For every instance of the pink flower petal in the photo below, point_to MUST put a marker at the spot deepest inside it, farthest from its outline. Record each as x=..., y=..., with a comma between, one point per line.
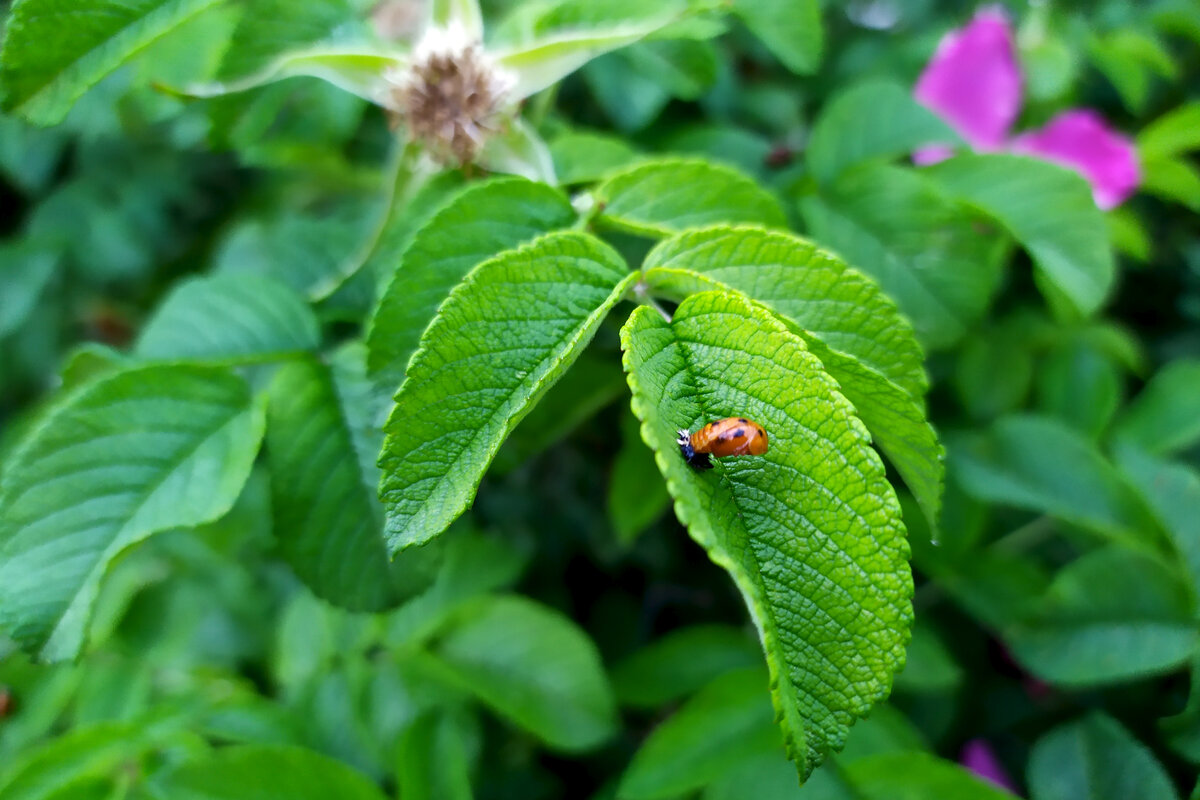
x=1081, y=139
x=973, y=81
x=977, y=756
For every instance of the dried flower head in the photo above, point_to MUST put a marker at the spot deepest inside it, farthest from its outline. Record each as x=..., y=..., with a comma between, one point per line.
x=451, y=94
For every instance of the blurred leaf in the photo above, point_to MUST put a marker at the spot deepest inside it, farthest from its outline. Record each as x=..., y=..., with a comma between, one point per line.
x=816, y=504
x=1171, y=490
x=1084, y=633
x=581, y=157
x=1182, y=731
x=917, y=776
x=231, y=318
x=84, y=754
x=480, y=222
x=791, y=30
x=432, y=761
x=504, y=336
x=518, y=149
x=1172, y=134
x=1172, y=179
x=270, y=28
x=875, y=120
x=728, y=722
x=858, y=333
x=684, y=68
x=681, y=662
x=592, y=383
x=1049, y=210
x=1129, y=234
x=725, y=144
x=929, y=666
x=629, y=98
x=126, y=456
x=1129, y=58
x=29, y=155
x=1043, y=465
x=1165, y=416
x=533, y=666
x=1080, y=386
x=1095, y=759
x=994, y=366
x=264, y=772
x=658, y=198
x=924, y=248
x=322, y=439
x=637, y=495
x=1049, y=65
x=28, y=268
x=579, y=32
x=55, y=50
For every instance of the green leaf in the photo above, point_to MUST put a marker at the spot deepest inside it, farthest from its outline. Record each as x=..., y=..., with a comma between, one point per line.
x=875, y=120
x=1165, y=416
x=1080, y=385
x=1043, y=465
x=126, y=456
x=28, y=268
x=1049, y=210
x=1086, y=634
x=592, y=383
x=1171, y=491
x=637, y=496
x=1128, y=58
x=432, y=761
x=681, y=662
x=659, y=198
x=229, y=318
x=797, y=528
x=533, y=666
x=1095, y=759
x=917, y=776
x=844, y=318
x=270, y=28
x=929, y=665
x=727, y=723
x=1173, y=179
x=923, y=247
x=480, y=222
x=264, y=772
x=502, y=338
x=356, y=68
x=84, y=753
x=582, y=34
x=322, y=439
x=1172, y=134
x=581, y=157
x=55, y=50
x=790, y=29
x=629, y=98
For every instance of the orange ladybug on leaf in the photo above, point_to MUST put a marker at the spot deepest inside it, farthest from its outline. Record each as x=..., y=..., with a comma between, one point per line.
x=732, y=436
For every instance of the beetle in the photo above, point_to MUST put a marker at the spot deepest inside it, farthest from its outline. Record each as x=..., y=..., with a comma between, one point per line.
x=732, y=436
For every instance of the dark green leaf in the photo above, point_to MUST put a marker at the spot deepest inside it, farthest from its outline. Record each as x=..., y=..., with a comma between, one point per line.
x=1165, y=416
x=1095, y=759
x=681, y=662
x=791, y=29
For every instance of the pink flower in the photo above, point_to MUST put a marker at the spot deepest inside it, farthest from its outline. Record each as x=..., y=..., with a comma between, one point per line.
x=974, y=82
x=977, y=756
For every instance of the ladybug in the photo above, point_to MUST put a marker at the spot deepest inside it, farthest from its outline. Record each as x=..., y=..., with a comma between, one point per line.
x=732, y=436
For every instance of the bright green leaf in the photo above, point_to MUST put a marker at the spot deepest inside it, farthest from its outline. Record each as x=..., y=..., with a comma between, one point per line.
x=1095, y=759
x=229, y=318
x=1165, y=416
x=533, y=666
x=480, y=222
x=924, y=248
x=123, y=457
x=264, y=772
x=873, y=120
x=55, y=50
x=659, y=198
x=1084, y=633
x=1049, y=210
x=322, y=439
x=681, y=662
x=1174, y=179
x=796, y=528
x=727, y=723
x=502, y=338
x=844, y=318
x=791, y=30
x=1174, y=133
